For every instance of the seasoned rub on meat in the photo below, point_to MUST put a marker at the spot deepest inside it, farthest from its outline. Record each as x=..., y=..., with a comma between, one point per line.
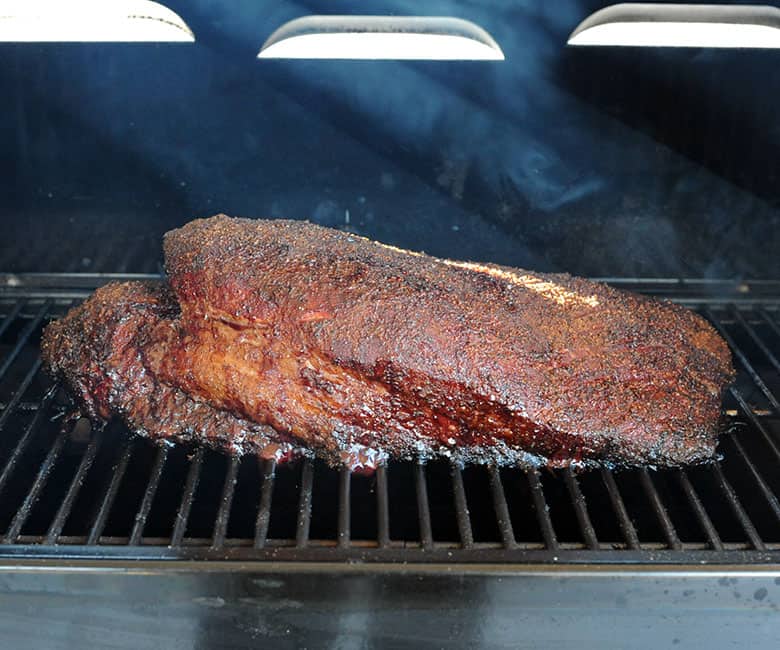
x=98, y=350
x=359, y=351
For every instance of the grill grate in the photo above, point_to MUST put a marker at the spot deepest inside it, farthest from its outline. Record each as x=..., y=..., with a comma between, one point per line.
x=73, y=492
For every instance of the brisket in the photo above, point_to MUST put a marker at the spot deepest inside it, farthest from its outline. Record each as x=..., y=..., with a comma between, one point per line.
x=282, y=334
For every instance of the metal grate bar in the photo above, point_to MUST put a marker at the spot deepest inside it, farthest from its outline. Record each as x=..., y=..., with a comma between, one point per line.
x=660, y=510
x=58, y=523
x=20, y=391
x=737, y=351
x=22, y=406
x=382, y=508
x=580, y=509
x=264, y=510
x=701, y=513
x=304, y=504
x=737, y=509
x=769, y=495
x=344, y=507
x=146, y=503
x=756, y=338
x=461, y=507
x=226, y=502
x=769, y=320
x=199, y=548
x=108, y=499
x=423, y=507
x=503, y=518
x=32, y=496
x=756, y=422
x=29, y=431
x=24, y=337
x=542, y=509
x=187, y=497
x=624, y=522
x=11, y=316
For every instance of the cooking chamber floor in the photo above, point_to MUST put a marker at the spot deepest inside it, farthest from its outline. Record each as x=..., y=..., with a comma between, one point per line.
x=75, y=492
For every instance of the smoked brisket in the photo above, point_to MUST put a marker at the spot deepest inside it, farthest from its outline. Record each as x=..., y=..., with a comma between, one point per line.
x=282, y=337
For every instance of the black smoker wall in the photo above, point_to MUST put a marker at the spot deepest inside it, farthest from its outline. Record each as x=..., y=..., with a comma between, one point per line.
x=598, y=162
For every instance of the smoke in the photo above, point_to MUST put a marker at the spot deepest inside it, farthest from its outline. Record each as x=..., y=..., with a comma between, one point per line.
x=554, y=159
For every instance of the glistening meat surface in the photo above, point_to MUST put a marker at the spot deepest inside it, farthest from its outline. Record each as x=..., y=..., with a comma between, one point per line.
x=359, y=351
x=98, y=350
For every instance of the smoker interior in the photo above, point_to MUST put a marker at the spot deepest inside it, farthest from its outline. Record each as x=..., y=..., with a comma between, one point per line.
x=71, y=492
x=620, y=162
x=652, y=168
x=646, y=167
